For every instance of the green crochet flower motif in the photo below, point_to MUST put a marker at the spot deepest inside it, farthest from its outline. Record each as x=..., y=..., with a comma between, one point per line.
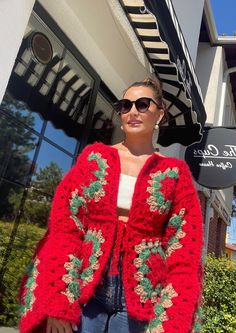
x=97, y=239
x=76, y=202
x=30, y=286
x=177, y=221
x=164, y=303
x=94, y=191
x=71, y=278
x=156, y=200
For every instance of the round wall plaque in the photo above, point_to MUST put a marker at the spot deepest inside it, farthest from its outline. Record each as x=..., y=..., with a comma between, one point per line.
x=41, y=48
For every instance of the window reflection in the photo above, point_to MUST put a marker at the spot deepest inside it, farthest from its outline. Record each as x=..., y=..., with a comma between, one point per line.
x=106, y=122
x=40, y=193
x=51, y=165
x=49, y=154
x=73, y=89
x=58, y=136
x=22, y=113
x=11, y=195
x=17, y=146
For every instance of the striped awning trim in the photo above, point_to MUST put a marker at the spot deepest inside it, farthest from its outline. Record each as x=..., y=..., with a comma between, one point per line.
x=57, y=81
x=175, y=70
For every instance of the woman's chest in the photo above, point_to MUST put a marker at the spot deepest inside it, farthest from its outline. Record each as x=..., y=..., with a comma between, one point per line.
x=154, y=189
x=132, y=165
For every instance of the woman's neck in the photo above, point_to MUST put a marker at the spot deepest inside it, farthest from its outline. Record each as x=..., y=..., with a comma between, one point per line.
x=138, y=147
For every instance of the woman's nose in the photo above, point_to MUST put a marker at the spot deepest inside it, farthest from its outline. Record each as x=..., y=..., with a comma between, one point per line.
x=133, y=109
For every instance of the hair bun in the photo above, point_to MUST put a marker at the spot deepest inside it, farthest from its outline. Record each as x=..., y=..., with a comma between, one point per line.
x=155, y=83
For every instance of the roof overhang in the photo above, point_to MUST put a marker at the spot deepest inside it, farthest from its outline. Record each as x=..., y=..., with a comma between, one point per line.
x=158, y=30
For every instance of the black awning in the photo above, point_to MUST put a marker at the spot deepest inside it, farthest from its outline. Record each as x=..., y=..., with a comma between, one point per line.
x=157, y=29
x=55, y=90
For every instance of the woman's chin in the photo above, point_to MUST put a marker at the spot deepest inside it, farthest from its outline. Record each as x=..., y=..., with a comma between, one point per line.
x=136, y=132
x=133, y=131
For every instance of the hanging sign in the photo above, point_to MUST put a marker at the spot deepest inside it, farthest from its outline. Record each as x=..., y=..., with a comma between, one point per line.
x=213, y=160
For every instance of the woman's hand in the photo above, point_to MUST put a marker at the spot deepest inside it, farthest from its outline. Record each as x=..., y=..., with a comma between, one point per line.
x=55, y=325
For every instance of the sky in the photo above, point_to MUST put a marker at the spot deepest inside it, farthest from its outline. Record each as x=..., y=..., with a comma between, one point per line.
x=224, y=12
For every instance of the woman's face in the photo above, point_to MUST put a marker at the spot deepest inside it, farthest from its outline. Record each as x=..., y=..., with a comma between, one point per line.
x=135, y=122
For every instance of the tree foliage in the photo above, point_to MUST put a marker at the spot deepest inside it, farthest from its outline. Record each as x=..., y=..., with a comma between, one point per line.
x=219, y=308
x=21, y=253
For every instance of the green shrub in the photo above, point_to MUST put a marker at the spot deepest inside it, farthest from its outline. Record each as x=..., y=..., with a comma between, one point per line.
x=21, y=253
x=219, y=307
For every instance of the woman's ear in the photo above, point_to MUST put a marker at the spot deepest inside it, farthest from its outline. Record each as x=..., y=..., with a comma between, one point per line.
x=161, y=114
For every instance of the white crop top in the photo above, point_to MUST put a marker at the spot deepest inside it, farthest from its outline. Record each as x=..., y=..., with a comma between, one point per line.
x=126, y=190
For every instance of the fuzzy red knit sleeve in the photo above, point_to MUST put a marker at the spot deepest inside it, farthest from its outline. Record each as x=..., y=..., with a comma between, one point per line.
x=182, y=242
x=50, y=288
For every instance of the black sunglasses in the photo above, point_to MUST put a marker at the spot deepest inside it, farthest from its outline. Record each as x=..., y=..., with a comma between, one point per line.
x=142, y=105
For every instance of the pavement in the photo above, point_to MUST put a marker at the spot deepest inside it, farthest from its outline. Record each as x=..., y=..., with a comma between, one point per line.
x=8, y=330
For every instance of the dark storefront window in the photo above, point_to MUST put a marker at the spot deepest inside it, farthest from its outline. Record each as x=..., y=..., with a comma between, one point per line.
x=31, y=166
x=51, y=109
x=17, y=149
x=21, y=112
x=105, y=123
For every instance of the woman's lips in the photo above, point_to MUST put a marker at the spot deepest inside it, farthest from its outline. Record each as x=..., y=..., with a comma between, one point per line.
x=134, y=123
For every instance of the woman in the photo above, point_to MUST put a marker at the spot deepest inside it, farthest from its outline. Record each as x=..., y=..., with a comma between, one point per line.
x=123, y=247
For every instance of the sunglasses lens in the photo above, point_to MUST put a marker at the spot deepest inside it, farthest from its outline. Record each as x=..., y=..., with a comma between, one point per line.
x=124, y=106
x=142, y=104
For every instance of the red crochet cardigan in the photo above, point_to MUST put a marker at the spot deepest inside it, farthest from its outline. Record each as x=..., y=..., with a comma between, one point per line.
x=161, y=244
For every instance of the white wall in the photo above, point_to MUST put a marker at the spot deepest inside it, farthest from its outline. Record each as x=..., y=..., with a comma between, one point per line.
x=189, y=14
x=14, y=16
x=204, y=63
x=209, y=68
x=227, y=196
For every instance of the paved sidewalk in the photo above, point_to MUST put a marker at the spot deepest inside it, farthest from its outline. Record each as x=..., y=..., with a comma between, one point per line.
x=8, y=330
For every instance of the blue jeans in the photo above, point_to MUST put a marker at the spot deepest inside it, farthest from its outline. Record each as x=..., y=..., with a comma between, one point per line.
x=106, y=311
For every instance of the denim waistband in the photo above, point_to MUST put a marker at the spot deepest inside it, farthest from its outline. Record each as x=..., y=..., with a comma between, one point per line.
x=111, y=293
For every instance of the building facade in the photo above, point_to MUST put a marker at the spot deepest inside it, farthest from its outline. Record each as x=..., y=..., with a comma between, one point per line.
x=215, y=65
x=230, y=251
